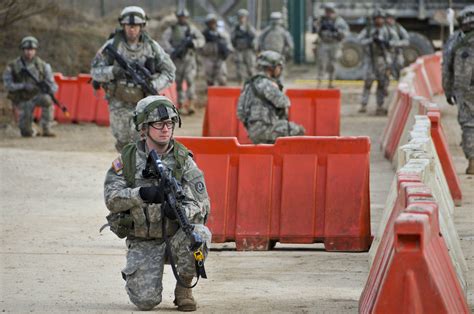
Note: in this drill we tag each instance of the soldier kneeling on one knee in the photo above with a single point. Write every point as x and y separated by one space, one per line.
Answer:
263 106
161 221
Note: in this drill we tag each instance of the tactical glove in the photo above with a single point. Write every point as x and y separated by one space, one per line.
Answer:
451 100
151 194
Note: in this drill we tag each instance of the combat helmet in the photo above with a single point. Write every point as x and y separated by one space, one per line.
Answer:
269 58
330 6
133 15
155 108
378 13
466 18
29 42
391 13
210 17
182 12
242 12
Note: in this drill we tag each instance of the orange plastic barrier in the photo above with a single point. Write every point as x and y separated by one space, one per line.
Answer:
441 144
413 272
396 123
433 71
87 100
420 82
287 192
317 110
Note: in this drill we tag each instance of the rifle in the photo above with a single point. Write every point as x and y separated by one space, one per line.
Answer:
140 75
44 88
222 50
180 51
173 197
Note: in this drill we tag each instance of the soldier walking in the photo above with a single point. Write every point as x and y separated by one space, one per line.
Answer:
244 41
263 106
27 78
215 52
331 29
458 79
181 40
376 39
138 49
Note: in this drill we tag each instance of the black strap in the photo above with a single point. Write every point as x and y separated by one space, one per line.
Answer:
170 255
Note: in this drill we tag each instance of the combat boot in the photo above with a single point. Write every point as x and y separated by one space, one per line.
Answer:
48 133
380 111
470 168
183 297
362 109
191 107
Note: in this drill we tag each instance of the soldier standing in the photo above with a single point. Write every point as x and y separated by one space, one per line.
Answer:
181 40
276 38
376 39
141 212
215 51
25 93
332 30
263 107
122 92
243 39
458 79
402 40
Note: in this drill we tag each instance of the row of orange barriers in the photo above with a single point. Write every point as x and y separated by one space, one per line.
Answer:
412 271
318 110
424 79
288 192
83 103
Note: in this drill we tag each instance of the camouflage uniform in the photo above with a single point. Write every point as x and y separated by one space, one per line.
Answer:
377 63
186 67
276 38
146 254
458 82
401 39
331 34
263 109
122 93
26 96
243 39
215 51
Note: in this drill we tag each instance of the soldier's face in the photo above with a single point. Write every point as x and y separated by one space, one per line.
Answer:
182 20
242 19
160 132
29 53
390 20
212 25
330 13
277 71
132 31
379 21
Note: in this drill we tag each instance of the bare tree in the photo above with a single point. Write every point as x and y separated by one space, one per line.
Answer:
13 11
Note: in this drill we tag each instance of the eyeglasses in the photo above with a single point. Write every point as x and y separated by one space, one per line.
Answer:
159 125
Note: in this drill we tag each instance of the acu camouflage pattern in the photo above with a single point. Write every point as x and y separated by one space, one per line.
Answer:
265 116
26 100
377 62
276 38
146 247
215 68
244 41
329 46
186 68
401 39
458 81
123 94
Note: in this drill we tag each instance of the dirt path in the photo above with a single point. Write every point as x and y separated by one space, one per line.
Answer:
54 260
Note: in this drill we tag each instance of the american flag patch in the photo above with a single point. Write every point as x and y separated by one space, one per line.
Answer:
117 165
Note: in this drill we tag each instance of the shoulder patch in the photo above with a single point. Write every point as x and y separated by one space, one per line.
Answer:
117 165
